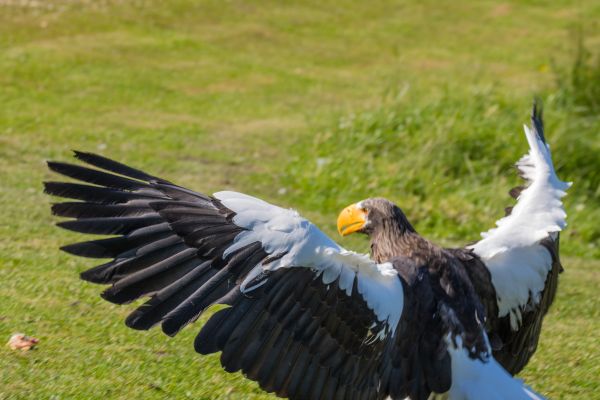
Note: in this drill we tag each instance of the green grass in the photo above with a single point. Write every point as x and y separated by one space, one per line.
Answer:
310 105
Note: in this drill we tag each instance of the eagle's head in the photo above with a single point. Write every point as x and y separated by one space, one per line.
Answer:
371 217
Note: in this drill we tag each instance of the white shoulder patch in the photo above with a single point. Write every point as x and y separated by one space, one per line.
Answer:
299 243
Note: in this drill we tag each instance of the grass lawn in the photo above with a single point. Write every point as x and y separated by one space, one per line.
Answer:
311 105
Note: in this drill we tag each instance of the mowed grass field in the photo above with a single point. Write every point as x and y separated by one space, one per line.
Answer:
310 105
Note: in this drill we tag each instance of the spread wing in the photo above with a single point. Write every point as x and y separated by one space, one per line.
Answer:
307 319
521 253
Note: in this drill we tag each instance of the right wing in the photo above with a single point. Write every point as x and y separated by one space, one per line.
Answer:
307 319
521 254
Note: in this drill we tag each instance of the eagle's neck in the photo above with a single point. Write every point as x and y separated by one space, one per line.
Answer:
395 237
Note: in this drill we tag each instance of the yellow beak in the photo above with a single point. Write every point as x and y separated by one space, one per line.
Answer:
350 220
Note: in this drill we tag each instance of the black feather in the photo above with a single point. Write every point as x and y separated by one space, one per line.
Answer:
206 340
537 120
172 211
215 334
142 241
101 248
179 193
121 267
209 234
110 225
238 338
96 177
188 225
152 279
138 242
167 299
328 391
274 361
319 382
285 367
213 289
298 372
516 191
254 354
305 385
91 210
93 194
271 357
116 167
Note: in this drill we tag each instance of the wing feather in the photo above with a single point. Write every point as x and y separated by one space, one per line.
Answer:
519 264
516 273
306 318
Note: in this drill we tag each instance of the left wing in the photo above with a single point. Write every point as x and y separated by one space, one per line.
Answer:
308 319
521 254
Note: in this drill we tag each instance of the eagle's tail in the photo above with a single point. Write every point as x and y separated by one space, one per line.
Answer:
474 379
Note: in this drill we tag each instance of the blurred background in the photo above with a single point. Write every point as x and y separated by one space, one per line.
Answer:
307 104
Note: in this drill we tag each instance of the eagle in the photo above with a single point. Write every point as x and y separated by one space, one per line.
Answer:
308 319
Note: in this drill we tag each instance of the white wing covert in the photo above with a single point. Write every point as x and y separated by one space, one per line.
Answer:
292 241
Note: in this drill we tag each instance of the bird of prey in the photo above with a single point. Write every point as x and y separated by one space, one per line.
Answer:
308 319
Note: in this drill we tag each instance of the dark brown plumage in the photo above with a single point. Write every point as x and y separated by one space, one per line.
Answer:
392 235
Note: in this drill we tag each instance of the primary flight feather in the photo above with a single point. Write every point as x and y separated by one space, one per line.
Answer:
308 319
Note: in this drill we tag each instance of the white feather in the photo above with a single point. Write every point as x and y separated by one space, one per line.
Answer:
283 231
512 252
473 379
